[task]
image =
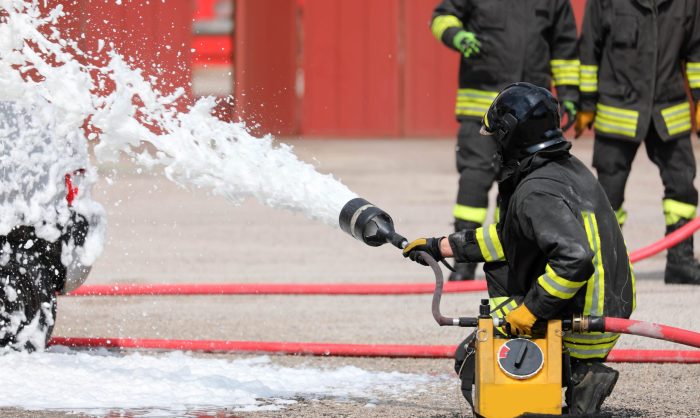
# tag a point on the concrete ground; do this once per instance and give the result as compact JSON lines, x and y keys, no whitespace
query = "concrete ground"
{"x":159,"y":233}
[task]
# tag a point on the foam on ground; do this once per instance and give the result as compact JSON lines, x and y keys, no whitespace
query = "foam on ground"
{"x":176,"y":382}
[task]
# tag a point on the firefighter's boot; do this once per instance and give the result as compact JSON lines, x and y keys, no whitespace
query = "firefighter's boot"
{"x":592,"y":383}
{"x":464,"y":271}
{"x":681,"y":265}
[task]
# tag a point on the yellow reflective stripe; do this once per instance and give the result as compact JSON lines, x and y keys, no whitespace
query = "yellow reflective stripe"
{"x":485,"y":94}
{"x":565,"y":72}
{"x":497,"y":214}
{"x":469,"y":213}
{"x":489,"y":244}
{"x":500,"y":307}
{"x":677,"y":118}
{"x":693,"y":71}
{"x":606,"y":127}
{"x":495,"y":243}
{"x":589,"y":78}
{"x":595,"y":289}
{"x":565,"y":63}
{"x":615,"y":120}
{"x":558,"y":286}
{"x":591,"y":338}
{"x":474,"y":102}
{"x":632,"y":115}
{"x":674,"y":211}
{"x":442,"y":23}
{"x":496,"y":301}
{"x":587,"y":351}
{"x":621,"y":215}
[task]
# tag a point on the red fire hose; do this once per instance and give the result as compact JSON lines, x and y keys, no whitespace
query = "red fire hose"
{"x":338,"y":288}
{"x":343,"y":350}
{"x":667,"y":242}
{"x":651,"y":330}
{"x":275,"y":289}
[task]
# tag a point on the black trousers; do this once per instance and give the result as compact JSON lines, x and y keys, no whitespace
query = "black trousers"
{"x":612,"y":159}
{"x":31,"y":274}
{"x":476,"y":165}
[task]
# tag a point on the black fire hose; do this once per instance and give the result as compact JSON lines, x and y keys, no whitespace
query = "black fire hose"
{"x":437,"y":296}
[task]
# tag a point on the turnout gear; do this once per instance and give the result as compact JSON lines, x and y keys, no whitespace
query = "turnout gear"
{"x":681,"y":265}
{"x":565,"y":253}
{"x":520,"y":321}
{"x":633,"y":54}
{"x":466,"y":43}
{"x":529,"y":40}
{"x":697,"y":117}
{"x":523,"y":119}
{"x":584,"y":120}
{"x":558,"y":234}
{"x":428,"y":245}
{"x":464,"y":271}
{"x":613,"y":159}
{"x":633,"y":58}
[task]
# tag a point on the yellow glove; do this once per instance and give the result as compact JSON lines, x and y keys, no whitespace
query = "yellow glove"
{"x":584,"y":120}
{"x":521,"y":320}
{"x":428,"y":245}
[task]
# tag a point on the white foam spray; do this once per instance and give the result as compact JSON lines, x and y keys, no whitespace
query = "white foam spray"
{"x":124,"y":111}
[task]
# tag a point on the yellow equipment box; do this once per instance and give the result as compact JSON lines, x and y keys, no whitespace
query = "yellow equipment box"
{"x":518,"y":375}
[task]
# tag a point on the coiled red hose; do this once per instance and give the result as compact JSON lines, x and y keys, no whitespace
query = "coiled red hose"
{"x":342,"y":350}
{"x":667,"y":242}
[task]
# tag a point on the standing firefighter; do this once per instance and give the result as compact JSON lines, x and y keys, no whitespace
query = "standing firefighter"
{"x":557,"y":249}
{"x":501,"y":42}
{"x":633,"y":57}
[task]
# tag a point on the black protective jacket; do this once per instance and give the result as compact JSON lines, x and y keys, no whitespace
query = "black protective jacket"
{"x":560,"y":238}
{"x":634,"y":56}
{"x":521,"y":40}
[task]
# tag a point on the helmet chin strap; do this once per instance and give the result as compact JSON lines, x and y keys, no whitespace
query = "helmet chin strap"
{"x":542,"y":145}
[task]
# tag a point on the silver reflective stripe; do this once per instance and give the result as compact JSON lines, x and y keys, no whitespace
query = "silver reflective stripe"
{"x":485,"y":231}
{"x":563,"y":289}
{"x":356,"y":215}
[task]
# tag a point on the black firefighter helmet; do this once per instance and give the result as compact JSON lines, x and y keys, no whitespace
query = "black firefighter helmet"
{"x":523,"y":119}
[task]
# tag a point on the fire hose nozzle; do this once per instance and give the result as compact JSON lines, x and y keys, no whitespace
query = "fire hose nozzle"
{"x":584,"y":323}
{"x":369,"y":224}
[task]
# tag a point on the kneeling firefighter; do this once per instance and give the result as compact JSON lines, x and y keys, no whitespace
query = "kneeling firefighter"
{"x":557,"y":250}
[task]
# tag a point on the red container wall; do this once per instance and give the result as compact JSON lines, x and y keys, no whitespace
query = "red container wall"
{"x":579,"y":7}
{"x":266,"y":65}
{"x":350,"y":62}
{"x":153,"y":36}
{"x":430,"y":75}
